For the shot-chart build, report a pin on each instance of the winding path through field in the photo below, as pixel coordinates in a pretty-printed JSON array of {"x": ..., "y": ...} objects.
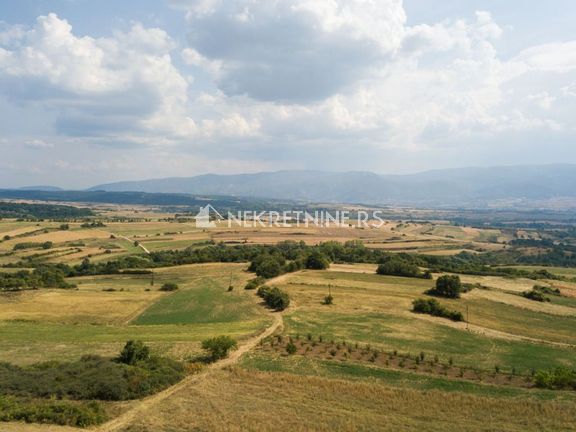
[{"x": 144, "y": 404}]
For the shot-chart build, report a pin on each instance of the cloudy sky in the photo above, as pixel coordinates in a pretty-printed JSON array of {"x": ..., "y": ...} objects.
[{"x": 98, "y": 91}]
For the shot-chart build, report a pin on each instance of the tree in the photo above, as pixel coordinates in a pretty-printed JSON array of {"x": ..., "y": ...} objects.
[
  {"x": 317, "y": 261},
  {"x": 269, "y": 268},
  {"x": 274, "y": 297},
  {"x": 328, "y": 300},
  {"x": 398, "y": 267},
  {"x": 219, "y": 346},
  {"x": 134, "y": 352},
  {"x": 447, "y": 286},
  {"x": 169, "y": 286}
]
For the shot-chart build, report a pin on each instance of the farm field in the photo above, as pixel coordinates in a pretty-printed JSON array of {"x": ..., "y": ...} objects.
[
  {"x": 313, "y": 399},
  {"x": 359, "y": 350},
  {"x": 375, "y": 309},
  {"x": 105, "y": 311}
]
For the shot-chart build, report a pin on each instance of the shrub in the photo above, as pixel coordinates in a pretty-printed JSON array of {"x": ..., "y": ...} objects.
[
  {"x": 535, "y": 296},
  {"x": 434, "y": 308},
  {"x": 219, "y": 346},
  {"x": 92, "y": 377},
  {"x": 133, "y": 352},
  {"x": 274, "y": 297},
  {"x": 291, "y": 348},
  {"x": 56, "y": 412},
  {"x": 447, "y": 286},
  {"x": 547, "y": 290},
  {"x": 561, "y": 378},
  {"x": 317, "y": 261},
  {"x": 328, "y": 300},
  {"x": 169, "y": 286},
  {"x": 255, "y": 283},
  {"x": 267, "y": 265},
  {"x": 269, "y": 269},
  {"x": 397, "y": 267}
]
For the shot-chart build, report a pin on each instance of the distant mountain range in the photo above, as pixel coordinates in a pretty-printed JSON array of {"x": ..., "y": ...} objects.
[
  {"x": 446, "y": 187},
  {"x": 41, "y": 188}
]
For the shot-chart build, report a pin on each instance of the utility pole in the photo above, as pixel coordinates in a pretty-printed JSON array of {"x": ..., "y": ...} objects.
[{"x": 467, "y": 318}]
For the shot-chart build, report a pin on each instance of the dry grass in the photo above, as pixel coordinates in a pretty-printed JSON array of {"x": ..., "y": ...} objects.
[
  {"x": 71, "y": 306},
  {"x": 521, "y": 302},
  {"x": 239, "y": 400},
  {"x": 500, "y": 283}
]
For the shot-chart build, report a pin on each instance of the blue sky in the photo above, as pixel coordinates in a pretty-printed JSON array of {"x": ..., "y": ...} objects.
[{"x": 98, "y": 91}]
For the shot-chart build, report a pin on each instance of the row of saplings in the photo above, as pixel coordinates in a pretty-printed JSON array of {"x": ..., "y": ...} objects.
[{"x": 561, "y": 378}]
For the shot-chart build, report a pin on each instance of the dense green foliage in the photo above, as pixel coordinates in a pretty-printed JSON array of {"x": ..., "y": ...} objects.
[
  {"x": 93, "y": 224},
  {"x": 65, "y": 413},
  {"x": 92, "y": 377},
  {"x": 41, "y": 211},
  {"x": 219, "y": 346},
  {"x": 272, "y": 260},
  {"x": 547, "y": 290},
  {"x": 169, "y": 286},
  {"x": 274, "y": 297},
  {"x": 41, "y": 277},
  {"x": 448, "y": 286},
  {"x": 134, "y": 352},
  {"x": 317, "y": 261},
  {"x": 561, "y": 378},
  {"x": 535, "y": 295},
  {"x": 32, "y": 245},
  {"x": 255, "y": 283},
  {"x": 398, "y": 266},
  {"x": 434, "y": 308}
]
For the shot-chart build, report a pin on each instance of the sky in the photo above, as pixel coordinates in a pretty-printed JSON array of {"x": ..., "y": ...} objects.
[{"x": 100, "y": 91}]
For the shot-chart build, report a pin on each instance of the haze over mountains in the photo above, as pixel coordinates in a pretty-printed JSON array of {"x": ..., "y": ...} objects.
[{"x": 461, "y": 186}]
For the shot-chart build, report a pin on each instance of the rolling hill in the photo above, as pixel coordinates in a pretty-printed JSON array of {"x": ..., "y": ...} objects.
[{"x": 461, "y": 186}]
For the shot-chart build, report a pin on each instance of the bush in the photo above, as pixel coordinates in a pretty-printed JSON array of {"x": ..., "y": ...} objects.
[
  {"x": 32, "y": 245},
  {"x": 219, "y": 346},
  {"x": 317, "y": 261},
  {"x": 561, "y": 378},
  {"x": 134, "y": 352},
  {"x": 434, "y": 308},
  {"x": 93, "y": 377},
  {"x": 269, "y": 268},
  {"x": 255, "y": 283},
  {"x": 535, "y": 296},
  {"x": 291, "y": 348},
  {"x": 55, "y": 412},
  {"x": 274, "y": 297},
  {"x": 268, "y": 265},
  {"x": 328, "y": 300},
  {"x": 447, "y": 286},
  {"x": 169, "y": 286},
  {"x": 547, "y": 290},
  {"x": 398, "y": 267}
]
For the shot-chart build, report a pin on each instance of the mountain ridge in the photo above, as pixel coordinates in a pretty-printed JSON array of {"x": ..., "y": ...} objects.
[{"x": 439, "y": 186}]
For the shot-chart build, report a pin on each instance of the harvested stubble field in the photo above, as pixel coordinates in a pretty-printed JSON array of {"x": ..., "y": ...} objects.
[{"x": 296, "y": 401}]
